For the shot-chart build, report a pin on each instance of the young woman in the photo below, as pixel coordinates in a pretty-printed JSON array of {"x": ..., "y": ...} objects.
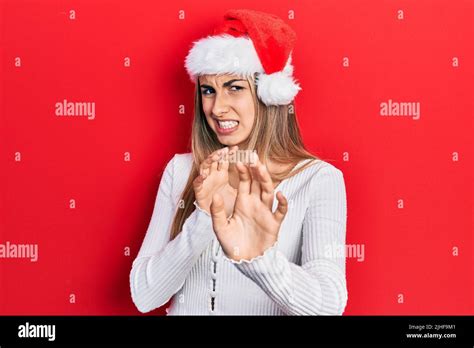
[{"x": 234, "y": 237}]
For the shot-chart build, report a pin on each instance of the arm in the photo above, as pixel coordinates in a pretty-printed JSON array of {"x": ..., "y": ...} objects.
[
  {"x": 318, "y": 286},
  {"x": 161, "y": 267}
]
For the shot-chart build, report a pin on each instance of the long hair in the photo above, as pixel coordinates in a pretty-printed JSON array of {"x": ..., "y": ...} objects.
[{"x": 275, "y": 136}]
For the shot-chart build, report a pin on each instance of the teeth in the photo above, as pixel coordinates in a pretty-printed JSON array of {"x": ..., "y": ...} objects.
[{"x": 228, "y": 124}]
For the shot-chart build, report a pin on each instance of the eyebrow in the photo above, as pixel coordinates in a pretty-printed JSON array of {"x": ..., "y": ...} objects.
[{"x": 226, "y": 84}]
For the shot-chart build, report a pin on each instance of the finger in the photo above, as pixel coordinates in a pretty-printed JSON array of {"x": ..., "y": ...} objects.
[
  {"x": 253, "y": 159},
  {"x": 282, "y": 208},
  {"x": 224, "y": 159},
  {"x": 206, "y": 164},
  {"x": 215, "y": 152},
  {"x": 225, "y": 164},
  {"x": 219, "y": 219},
  {"x": 215, "y": 162},
  {"x": 255, "y": 186},
  {"x": 199, "y": 180},
  {"x": 233, "y": 149},
  {"x": 244, "y": 177},
  {"x": 266, "y": 185},
  {"x": 232, "y": 157},
  {"x": 205, "y": 169}
]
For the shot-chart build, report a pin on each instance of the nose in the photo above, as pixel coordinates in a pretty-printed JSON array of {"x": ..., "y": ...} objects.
[{"x": 221, "y": 105}]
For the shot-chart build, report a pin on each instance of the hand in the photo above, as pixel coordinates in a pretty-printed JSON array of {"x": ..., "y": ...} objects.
[
  {"x": 229, "y": 195},
  {"x": 213, "y": 177},
  {"x": 253, "y": 227}
]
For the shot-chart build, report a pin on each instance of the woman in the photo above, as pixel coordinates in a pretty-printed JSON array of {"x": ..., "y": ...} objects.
[{"x": 220, "y": 241}]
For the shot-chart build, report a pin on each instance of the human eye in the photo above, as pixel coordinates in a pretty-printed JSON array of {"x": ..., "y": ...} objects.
[
  {"x": 235, "y": 88},
  {"x": 207, "y": 90}
]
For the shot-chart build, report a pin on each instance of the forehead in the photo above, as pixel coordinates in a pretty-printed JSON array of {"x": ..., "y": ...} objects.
[{"x": 219, "y": 79}]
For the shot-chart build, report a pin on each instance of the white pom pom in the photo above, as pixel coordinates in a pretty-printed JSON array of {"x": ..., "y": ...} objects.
[{"x": 276, "y": 89}]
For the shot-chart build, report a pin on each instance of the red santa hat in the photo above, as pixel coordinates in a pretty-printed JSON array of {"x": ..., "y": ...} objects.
[{"x": 249, "y": 42}]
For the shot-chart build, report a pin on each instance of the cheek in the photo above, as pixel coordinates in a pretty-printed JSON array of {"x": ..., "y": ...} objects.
[
  {"x": 206, "y": 107},
  {"x": 247, "y": 112}
]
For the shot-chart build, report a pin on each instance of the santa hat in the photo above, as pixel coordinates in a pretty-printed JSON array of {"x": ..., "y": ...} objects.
[{"x": 249, "y": 42}]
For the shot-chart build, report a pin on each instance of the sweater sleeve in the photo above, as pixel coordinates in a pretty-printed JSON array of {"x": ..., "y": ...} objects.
[
  {"x": 318, "y": 286},
  {"x": 161, "y": 266}
]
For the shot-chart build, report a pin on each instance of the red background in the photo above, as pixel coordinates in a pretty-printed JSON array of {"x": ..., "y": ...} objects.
[{"x": 408, "y": 251}]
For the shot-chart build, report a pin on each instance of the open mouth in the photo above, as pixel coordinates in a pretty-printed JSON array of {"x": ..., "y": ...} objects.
[{"x": 226, "y": 127}]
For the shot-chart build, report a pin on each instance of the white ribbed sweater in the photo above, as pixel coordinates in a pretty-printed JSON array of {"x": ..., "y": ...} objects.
[{"x": 302, "y": 274}]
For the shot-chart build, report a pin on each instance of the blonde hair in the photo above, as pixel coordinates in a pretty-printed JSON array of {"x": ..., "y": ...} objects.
[{"x": 275, "y": 136}]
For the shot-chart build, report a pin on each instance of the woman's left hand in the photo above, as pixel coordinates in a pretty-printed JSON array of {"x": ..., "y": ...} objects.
[{"x": 253, "y": 227}]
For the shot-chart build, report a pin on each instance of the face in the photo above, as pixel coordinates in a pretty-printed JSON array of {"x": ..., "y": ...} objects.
[{"x": 229, "y": 107}]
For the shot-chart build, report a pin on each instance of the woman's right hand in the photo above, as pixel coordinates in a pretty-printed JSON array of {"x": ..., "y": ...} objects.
[{"x": 213, "y": 176}]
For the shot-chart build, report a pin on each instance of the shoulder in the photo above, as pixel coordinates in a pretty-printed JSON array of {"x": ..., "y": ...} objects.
[
  {"x": 325, "y": 176},
  {"x": 326, "y": 168},
  {"x": 315, "y": 179},
  {"x": 180, "y": 161},
  {"x": 315, "y": 168},
  {"x": 328, "y": 190}
]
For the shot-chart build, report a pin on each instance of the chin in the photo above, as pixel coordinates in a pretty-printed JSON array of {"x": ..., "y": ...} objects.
[{"x": 228, "y": 142}]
